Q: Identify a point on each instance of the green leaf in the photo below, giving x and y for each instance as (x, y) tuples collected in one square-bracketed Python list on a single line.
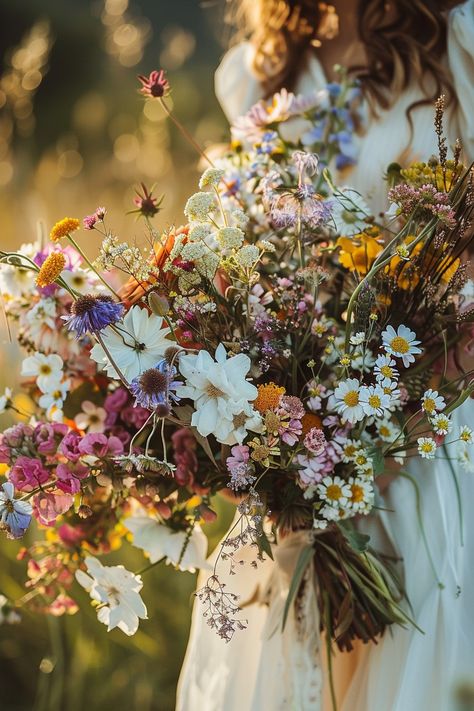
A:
[(378, 461), (74, 400), (264, 545), (357, 541), (301, 565)]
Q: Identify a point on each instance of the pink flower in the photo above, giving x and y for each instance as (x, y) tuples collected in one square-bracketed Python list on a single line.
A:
[(240, 468), (99, 445), (26, 474), (293, 406), (48, 505), (89, 221), (135, 416), (155, 85), (70, 446), (48, 436), (315, 440), (69, 477), (63, 605)]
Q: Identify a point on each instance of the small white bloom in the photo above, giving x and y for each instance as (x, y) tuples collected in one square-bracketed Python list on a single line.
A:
[(466, 435), (210, 177), (464, 459), (358, 338), (199, 206), (329, 513), (118, 592), (247, 256), (387, 430), (158, 541), (362, 494), (426, 447), (334, 490), (363, 463), (54, 398), (442, 424), (135, 344), (47, 369), (401, 343), (350, 450), (385, 369), (349, 212), (374, 400), (5, 400), (230, 237), (92, 418), (432, 402), (347, 397)]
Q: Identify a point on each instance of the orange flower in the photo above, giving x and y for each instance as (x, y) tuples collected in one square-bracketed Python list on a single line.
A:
[(308, 421), (268, 397), (63, 228), (358, 253), (51, 269)]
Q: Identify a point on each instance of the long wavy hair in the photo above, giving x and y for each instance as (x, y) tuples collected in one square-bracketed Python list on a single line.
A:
[(409, 47)]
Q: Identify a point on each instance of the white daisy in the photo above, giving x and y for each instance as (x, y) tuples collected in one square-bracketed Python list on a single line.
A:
[(347, 400), (5, 400), (426, 447), (442, 424), (158, 541), (350, 450), (466, 435), (387, 430), (464, 459), (363, 463), (432, 402), (92, 418), (358, 338), (118, 592), (47, 369), (215, 386), (374, 400), (135, 344), (349, 212), (391, 389), (54, 399), (401, 343), (362, 494), (385, 369), (334, 490)]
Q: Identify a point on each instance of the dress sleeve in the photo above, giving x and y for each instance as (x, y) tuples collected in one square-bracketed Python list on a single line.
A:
[(237, 88), (461, 64)]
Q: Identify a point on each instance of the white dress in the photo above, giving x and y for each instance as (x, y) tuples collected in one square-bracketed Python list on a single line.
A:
[(407, 671)]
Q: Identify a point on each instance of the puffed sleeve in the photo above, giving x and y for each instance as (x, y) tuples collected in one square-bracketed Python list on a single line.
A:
[(461, 64), (237, 88)]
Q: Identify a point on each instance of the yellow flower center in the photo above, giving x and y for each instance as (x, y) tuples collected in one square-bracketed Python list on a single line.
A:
[(357, 493), (334, 492), (374, 401), (386, 371), (351, 398), (429, 405), (384, 431), (45, 369), (239, 420), (427, 447), (350, 450), (400, 345)]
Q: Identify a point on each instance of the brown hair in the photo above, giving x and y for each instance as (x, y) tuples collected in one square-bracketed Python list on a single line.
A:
[(411, 46)]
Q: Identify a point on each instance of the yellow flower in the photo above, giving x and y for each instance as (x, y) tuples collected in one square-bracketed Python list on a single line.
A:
[(418, 174), (268, 397), (63, 228), (51, 268), (358, 253)]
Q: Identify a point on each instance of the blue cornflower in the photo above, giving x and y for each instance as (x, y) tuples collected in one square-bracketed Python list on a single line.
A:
[(93, 313), (15, 516), (153, 389)]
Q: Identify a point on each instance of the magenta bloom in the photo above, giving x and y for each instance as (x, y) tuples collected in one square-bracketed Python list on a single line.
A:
[(48, 505), (27, 474), (70, 446), (99, 445), (69, 477), (315, 441), (16, 435), (155, 85), (48, 436), (89, 221)]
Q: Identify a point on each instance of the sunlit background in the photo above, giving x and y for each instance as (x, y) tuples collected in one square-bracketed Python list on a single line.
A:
[(75, 134)]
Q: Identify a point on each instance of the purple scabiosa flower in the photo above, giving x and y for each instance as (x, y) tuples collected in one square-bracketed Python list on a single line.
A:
[(15, 516), (93, 313), (153, 389), (240, 468)]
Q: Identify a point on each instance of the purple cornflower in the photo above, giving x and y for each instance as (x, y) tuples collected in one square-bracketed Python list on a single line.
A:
[(15, 516), (153, 388), (93, 313)]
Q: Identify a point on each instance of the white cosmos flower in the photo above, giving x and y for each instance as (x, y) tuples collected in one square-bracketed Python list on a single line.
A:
[(54, 398), (91, 418), (349, 212), (374, 400), (135, 344), (158, 541), (347, 397), (215, 386), (401, 343), (47, 369), (118, 591), (238, 418), (5, 400)]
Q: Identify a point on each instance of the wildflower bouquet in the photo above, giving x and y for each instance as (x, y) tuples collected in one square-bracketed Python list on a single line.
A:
[(280, 345)]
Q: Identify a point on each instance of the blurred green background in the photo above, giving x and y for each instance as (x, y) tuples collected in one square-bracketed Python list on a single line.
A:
[(75, 134)]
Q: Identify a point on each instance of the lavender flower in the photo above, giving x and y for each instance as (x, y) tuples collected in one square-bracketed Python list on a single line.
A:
[(15, 516), (93, 313)]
